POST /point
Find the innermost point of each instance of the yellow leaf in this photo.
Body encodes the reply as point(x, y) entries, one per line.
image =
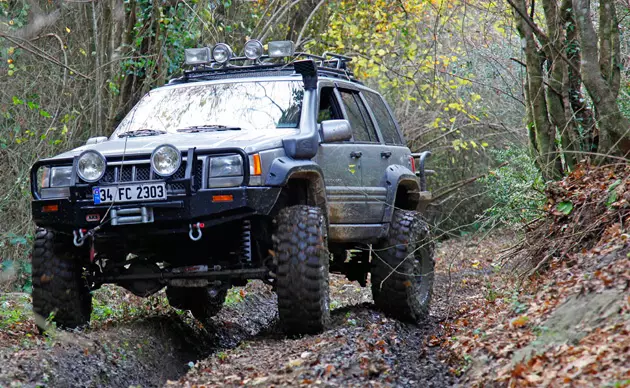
point(67, 30)
point(519, 322)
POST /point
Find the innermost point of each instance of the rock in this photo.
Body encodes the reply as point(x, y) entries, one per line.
point(571, 320)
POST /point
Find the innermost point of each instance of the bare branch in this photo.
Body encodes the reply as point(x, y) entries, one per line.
point(307, 22)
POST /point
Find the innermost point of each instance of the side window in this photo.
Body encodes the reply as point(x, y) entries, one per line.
point(328, 108)
point(383, 118)
point(362, 127)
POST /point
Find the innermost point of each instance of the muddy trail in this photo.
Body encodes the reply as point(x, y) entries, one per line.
point(242, 346)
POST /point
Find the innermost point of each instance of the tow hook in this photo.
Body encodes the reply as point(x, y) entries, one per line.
point(79, 237)
point(191, 231)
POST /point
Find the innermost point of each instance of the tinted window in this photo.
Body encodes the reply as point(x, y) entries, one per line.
point(383, 118)
point(358, 118)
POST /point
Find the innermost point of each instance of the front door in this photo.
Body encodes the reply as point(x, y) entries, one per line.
point(367, 151)
point(342, 168)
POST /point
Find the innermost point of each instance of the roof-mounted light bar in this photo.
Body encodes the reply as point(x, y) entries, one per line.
point(253, 50)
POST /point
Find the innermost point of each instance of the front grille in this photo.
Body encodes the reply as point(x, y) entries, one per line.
point(143, 173)
point(126, 173)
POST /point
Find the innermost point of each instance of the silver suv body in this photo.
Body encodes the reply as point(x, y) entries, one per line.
point(193, 189)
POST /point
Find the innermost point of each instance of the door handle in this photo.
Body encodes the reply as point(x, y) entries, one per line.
point(356, 154)
point(386, 154)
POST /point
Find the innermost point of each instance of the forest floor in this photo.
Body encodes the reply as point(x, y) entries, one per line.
point(547, 306)
point(479, 326)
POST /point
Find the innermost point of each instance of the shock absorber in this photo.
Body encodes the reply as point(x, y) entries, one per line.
point(246, 241)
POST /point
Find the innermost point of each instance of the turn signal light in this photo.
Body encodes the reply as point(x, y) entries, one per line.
point(223, 198)
point(257, 165)
point(50, 208)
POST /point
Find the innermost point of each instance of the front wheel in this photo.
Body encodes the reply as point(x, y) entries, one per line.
point(59, 290)
point(302, 278)
point(402, 268)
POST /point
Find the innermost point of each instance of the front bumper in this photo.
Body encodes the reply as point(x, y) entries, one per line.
point(172, 215)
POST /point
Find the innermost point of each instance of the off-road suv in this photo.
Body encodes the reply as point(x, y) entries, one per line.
point(280, 167)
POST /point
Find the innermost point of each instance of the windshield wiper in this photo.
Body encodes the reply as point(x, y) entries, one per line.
point(142, 132)
point(208, 128)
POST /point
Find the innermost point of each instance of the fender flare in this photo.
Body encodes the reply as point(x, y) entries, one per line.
point(283, 169)
point(397, 176)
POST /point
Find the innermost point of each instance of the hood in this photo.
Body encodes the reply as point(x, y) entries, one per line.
point(249, 141)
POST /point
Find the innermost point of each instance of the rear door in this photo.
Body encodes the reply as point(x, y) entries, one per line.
point(394, 151)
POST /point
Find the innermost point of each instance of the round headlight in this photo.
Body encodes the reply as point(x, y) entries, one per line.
point(253, 49)
point(91, 166)
point(165, 160)
point(221, 53)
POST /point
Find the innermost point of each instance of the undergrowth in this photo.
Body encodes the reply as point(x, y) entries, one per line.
point(516, 189)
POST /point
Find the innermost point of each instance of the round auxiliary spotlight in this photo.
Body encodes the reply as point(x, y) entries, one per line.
point(253, 49)
point(166, 160)
point(221, 53)
point(91, 166)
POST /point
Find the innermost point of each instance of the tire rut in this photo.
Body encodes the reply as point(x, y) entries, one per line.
point(145, 352)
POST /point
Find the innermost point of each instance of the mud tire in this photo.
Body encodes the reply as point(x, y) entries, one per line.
point(300, 244)
point(58, 283)
point(198, 300)
point(406, 293)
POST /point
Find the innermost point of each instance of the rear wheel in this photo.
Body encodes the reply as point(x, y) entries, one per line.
point(58, 286)
point(402, 268)
point(203, 302)
point(302, 277)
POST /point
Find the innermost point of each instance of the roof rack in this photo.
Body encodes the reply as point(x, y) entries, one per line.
point(328, 65)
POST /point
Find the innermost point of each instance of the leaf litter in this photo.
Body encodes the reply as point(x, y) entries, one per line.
point(557, 313)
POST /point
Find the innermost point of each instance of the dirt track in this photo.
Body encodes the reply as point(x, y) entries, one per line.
point(243, 347)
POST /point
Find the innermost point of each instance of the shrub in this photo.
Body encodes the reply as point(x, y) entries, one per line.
point(517, 189)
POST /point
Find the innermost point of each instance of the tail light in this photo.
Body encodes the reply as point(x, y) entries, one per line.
point(412, 160)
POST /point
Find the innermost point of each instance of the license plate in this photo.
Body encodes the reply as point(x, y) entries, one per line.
point(129, 193)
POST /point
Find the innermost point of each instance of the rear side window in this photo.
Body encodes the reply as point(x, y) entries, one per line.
point(362, 127)
point(383, 118)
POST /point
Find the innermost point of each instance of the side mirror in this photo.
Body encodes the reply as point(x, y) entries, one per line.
point(96, 140)
point(336, 130)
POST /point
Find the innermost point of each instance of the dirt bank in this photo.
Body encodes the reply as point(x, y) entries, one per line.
point(135, 342)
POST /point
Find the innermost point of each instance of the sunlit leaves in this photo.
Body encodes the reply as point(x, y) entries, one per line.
point(412, 51)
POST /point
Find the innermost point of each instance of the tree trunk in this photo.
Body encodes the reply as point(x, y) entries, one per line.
point(544, 130)
point(583, 114)
point(559, 117)
point(601, 85)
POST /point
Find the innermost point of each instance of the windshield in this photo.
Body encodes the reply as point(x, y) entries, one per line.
point(237, 105)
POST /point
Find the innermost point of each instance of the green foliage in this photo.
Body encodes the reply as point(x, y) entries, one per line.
point(14, 311)
point(15, 270)
point(491, 293)
point(234, 296)
point(565, 207)
point(516, 189)
point(115, 304)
